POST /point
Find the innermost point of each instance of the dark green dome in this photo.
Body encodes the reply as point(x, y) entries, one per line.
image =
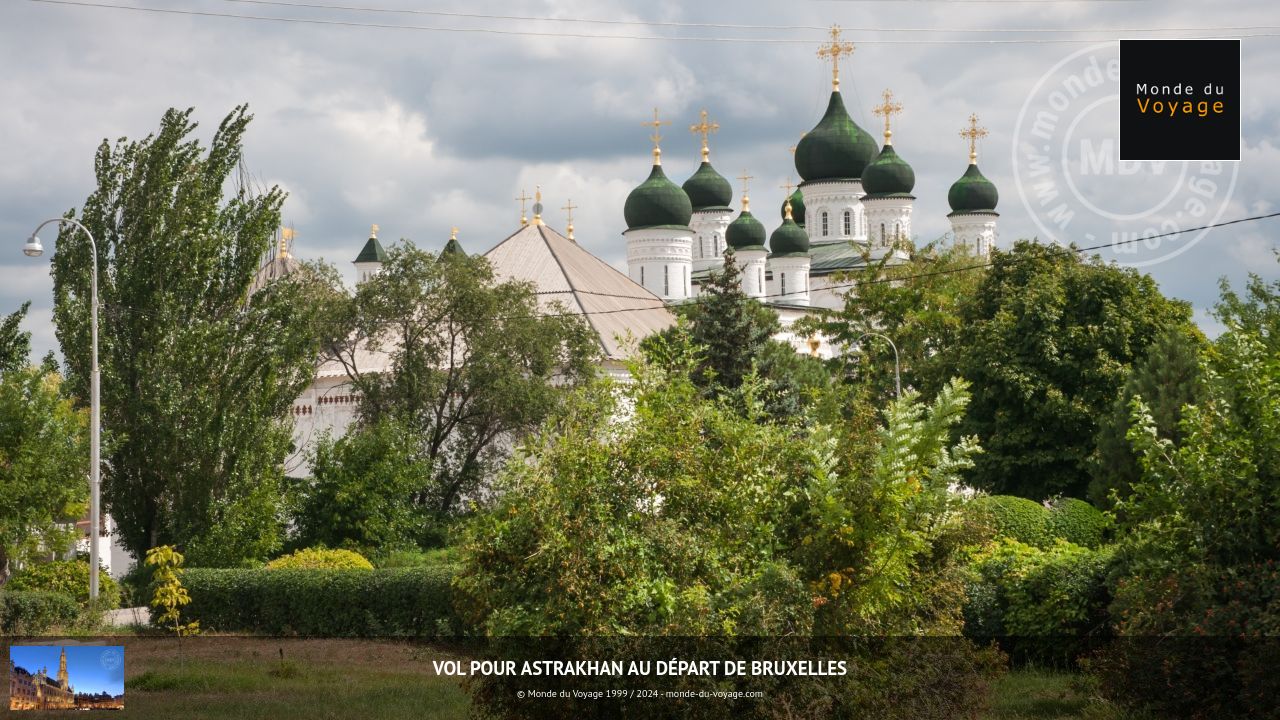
point(745, 232)
point(657, 202)
point(973, 192)
point(836, 148)
point(888, 174)
point(789, 239)
point(707, 188)
point(797, 207)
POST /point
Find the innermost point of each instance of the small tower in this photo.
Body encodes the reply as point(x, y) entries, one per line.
point(659, 239)
point(888, 181)
point(789, 258)
point(64, 682)
point(710, 195)
point(369, 262)
point(973, 199)
point(746, 236)
point(453, 247)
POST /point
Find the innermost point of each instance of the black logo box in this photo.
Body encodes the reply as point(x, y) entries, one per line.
point(1186, 69)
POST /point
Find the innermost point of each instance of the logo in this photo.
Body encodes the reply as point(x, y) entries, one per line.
point(1075, 187)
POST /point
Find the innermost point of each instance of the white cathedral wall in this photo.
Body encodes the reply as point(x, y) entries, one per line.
point(753, 263)
point(327, 405)
point(888, 218)
point(709, 227)
point(975, 229)
point(661, 260)
point(790, 282)
point(823, 295)
point(833, 199)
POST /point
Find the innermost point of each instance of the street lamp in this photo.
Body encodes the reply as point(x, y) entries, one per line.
point(33, 248)
point(897, 368)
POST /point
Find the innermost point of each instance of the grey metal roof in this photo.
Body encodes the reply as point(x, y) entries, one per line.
point(613, 304)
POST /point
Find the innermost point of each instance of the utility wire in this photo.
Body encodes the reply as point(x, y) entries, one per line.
point(587, 36)
point(729, 26)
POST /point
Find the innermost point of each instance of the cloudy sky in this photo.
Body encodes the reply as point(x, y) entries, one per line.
point(418, 130)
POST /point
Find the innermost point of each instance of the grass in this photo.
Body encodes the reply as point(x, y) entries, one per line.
point(1030, 694)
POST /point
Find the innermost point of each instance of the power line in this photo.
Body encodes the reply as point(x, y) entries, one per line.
point(732, 26)
point(588, 36)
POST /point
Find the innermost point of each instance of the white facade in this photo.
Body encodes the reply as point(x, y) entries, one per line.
point(888, 219)
point(975, 229)
point(790, 279)
point(709, 227)
point(661, 261)
point(754, 269)
point(833, 211)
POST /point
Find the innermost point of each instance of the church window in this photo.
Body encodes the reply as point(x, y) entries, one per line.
point(883, 237)
point(642, 275)
point(760, 280)
point(848, 223)
point(784, 283)
point(824, 223)
point(897, 229)
point(687, 290)
point(666, 279)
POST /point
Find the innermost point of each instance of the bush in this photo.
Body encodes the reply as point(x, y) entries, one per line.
point(68, 577)
point(1019, 592)
point(329, 603)
point(1078, 522)
point(320, 559)
point(1015, 518)
point(31, 612)
point(419, 558)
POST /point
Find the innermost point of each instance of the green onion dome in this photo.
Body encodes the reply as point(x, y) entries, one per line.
point(836, 148)
point(657, 202)
point(797, 207)
point(707, 189)
point(973, 192)
point(745, 232)
point(788, 239)
point(888, 174)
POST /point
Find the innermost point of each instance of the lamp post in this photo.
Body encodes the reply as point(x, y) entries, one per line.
point(33, 248)
point(897, 368)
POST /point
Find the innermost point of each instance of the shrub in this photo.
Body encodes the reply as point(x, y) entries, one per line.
point(419, 558)
point(1026, 596)
point(68, 577)
point(30, 612)
point(330, 603)
point(320, 559)
point(1078, 522)
point(1015, 518)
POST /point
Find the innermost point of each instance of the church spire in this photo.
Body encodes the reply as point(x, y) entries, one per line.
point(887, 110)
point(656, 137)
point(973, 134)
point(704, 129)
point(834, 50)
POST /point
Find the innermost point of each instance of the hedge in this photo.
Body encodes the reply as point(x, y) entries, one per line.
point(1016, 518)
point(1076, 521)
point(327, 603)
point(69, 577)
point(321, 559)
point(31, 612)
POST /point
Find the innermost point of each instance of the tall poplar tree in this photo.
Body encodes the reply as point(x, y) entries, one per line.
point(197, 376)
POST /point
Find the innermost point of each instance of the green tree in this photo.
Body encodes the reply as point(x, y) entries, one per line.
point(919, 305)
point(44, 465)
point(1047, 342)
point(15, 344)
point(474, 362)
point(1166, 378)
point(734, 336)
point(197, 376)
point(360, 494)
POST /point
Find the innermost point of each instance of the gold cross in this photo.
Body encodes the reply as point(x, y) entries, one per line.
point(656, 137)
point(746, 179)
point(704, 129)
point(568, 208)
point(524, 198)
point(973, 133)
point(786, 205)
point(888, 110)
point(373, 231)
point(834, 50)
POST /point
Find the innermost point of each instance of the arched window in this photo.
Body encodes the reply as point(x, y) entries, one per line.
point(666, 279)
point(848, 223)
point(897, 230)
point(824, 223)
point(883, 238)
point(784, 283)
point(760, 280)
point(642, 275)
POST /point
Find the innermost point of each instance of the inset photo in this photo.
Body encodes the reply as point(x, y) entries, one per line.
point(66, 677)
